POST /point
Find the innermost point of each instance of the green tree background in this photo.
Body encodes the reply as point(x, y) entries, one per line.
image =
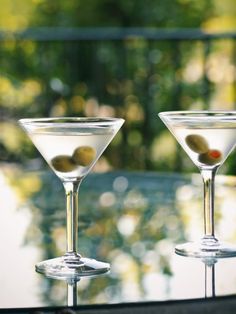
point(134, 77)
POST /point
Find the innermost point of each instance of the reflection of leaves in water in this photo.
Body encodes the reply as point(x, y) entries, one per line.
point(133, 227)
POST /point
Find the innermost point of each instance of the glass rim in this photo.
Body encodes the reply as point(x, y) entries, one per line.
point(100, 121)
point(198, 113)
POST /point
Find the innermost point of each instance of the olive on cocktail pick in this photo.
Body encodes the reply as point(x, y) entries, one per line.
point(84, 155)
point(197, 143)
point(63, 163)
point(212, 157)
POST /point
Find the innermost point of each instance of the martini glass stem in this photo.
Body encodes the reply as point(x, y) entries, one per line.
point(72, 210)
point(208, 176)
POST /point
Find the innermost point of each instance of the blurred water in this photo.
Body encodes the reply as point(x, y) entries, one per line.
point(130, 219)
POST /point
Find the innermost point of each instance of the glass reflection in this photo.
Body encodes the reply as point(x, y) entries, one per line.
point(75, 294)
point(210, 277)
point(72, 292)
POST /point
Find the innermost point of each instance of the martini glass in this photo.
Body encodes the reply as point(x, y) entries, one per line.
point(207, 137)
point(71, 146)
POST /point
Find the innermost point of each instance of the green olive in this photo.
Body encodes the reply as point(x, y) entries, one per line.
point(63, 163)
point(212, 157)
point(84, 155)
point(197, 143)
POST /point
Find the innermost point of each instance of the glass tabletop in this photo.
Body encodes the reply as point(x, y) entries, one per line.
point(133, 220)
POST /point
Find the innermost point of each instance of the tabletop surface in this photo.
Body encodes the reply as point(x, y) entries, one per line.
point(131, 220)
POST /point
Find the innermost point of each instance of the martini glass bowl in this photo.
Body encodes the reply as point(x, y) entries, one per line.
point(71, 146)
point(207, 137)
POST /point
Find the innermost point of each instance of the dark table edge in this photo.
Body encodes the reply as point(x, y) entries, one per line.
point(222, 304)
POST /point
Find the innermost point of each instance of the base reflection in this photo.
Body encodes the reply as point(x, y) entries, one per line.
point(72, 292)
point(209, 283)
point(210, 277)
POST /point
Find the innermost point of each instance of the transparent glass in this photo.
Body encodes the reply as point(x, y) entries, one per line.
point(71, 146)
point(208, 137)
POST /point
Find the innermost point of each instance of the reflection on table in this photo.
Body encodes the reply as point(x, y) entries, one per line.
point(131, 220)
point(209, 284)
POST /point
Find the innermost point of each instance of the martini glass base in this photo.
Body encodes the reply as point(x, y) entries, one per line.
point(59, 268)
point(197, 249)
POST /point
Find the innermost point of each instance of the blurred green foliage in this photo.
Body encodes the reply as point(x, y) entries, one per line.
point(106, 13)
point(134, 77)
